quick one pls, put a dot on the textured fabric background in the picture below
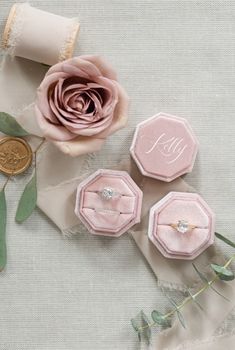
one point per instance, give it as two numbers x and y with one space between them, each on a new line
172 56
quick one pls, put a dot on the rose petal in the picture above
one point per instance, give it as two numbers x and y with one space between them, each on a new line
42 95
75 67
105 68
52 131
120 114
63 118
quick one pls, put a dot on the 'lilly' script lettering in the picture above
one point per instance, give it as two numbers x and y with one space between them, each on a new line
172 148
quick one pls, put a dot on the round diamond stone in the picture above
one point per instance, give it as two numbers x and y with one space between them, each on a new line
107 193
182 226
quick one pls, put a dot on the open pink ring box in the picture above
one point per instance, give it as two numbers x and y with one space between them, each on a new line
181 225
108 203
164 147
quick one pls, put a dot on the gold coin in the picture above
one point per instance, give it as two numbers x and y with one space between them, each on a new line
15 155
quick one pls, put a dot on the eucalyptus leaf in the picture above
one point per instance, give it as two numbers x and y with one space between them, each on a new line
195 300
222 272
204 279
134 325
216 291
146 329
9 126
198 304
142 326
181 318
172 302
200 274
159 318
136 328
144 318
27 201
3 220
224 239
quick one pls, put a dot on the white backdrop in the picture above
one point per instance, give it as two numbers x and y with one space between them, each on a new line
171 56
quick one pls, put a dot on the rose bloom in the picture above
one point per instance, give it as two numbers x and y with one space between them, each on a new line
80 103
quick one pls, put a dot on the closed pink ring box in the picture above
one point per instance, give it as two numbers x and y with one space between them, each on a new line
174 207
110 217
164 147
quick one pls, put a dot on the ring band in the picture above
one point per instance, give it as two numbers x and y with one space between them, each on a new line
183 226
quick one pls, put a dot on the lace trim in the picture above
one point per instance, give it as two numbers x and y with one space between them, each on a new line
228 325
14 27
196 343
7 29
73 231
68 46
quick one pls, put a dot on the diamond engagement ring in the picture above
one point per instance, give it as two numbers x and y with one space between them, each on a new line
108 193
183 226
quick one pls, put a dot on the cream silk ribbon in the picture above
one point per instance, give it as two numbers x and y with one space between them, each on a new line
19 80
38 35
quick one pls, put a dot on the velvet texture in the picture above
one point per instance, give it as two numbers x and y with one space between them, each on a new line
177 206
108 217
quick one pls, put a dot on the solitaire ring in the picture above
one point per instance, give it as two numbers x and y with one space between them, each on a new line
108 193
183 226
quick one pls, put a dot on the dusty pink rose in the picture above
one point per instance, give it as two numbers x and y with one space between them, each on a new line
80 103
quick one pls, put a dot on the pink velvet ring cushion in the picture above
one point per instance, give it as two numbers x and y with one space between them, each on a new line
164 147
181 225
108 202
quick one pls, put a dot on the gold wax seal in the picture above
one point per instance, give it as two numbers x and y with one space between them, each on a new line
15 155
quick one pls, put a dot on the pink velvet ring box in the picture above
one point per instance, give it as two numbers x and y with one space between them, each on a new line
164 147
193 225
108 203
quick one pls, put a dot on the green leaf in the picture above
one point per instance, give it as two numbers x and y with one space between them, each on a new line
222 272
194 300
159 318
3 220
9 126
224 239
136 328
172 302
142 326
134 325
203 278
216 291
27 201
181 319
179 314
146 331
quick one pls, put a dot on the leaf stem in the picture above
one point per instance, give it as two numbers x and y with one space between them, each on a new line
35 154
39 146
188 299
7 181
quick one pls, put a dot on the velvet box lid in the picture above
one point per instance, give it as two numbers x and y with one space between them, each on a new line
193 225
108 202
164 147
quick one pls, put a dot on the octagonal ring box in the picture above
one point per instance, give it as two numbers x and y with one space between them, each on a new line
183 210
164 147
108 202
